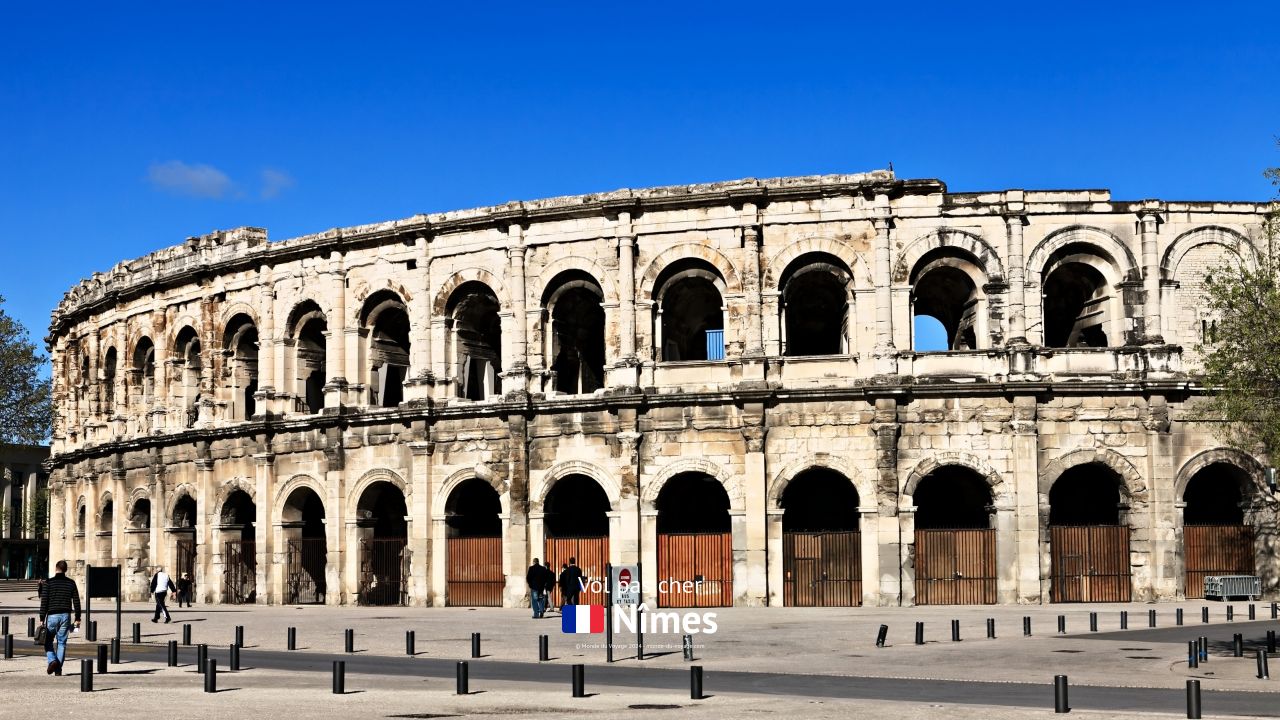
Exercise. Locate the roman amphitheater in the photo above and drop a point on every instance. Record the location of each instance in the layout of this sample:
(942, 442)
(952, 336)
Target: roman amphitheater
(727, 383)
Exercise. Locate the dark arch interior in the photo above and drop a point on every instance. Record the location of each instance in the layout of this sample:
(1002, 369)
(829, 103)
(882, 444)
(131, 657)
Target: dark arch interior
(816, 303)
(140, 518)
(691, 503)
(311, 361)
(473, 309)
(242, 343)
(472, 510)
(109, 380)
(953, 497)
(80, 519)
(1075, 306)
(692, 318)
(948, 295)
(576, 506)
(306, 507)
(107, 516)
(577, 324)
(1086, 494)
(382, 506)
(388, 349)
(1213, 496)
(184, 512)
(239, 509)
(819, 500)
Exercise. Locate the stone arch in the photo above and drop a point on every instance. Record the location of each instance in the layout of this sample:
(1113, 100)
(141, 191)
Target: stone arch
(572, 262)
(106, 497)
(731, 483)
(1001, 491)
(717, 259)
(465, 275)
(371, 477)
(1206, 235)
(227, 488)
(1230, 456)
(301, 309)
(231, 310)
(561, 470)
(171, 503)
(974, 245)
(297, 481)
(458, 477)
(141, 492)
(815, 244)
(1108, 245)
(818, 461)
(1133, 487)
(363, 291)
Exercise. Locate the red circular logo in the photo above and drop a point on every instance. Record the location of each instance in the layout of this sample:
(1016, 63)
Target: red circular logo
(624, 576)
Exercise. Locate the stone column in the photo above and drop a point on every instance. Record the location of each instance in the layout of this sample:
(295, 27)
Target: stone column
(751, 286)
(628, 539)
(774, 552)
(270, 357)
(907, 554)
(627, 292)
(1006, 526)
(1163, 521)
(1149, 224)
(206, 577)
(1025, 478)
(1014, 223)
(891, 537)
(756, 480)
(159, 537)
(516, 533)
(517, 366)
(886, 361)
(91, 508)
(269, 579)
(420, 379)
(869, 529)
(420, 541)
(337, 344)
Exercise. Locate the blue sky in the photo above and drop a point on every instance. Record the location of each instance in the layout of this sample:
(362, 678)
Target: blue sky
(125, 128)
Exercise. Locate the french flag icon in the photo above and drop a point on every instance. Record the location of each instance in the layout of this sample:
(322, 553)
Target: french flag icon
(582, 619)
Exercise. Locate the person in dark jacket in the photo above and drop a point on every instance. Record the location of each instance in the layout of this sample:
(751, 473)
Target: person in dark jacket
(549, 585)
(537, 581)
(571, 580)
(61, 598)
(185, 587)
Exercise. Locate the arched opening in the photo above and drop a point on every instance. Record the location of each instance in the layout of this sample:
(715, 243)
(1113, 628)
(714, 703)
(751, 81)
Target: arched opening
(690, 306)
(188, 368)
(140, 517)
(302, 522)
(955, 543)
(945, 288)
(239, 548)
(695, 543)
(817, 306)
(109, 363)
(1215, 537)
(106, 527)
(382, 528)
(821, 545)
(476, 331)
(137, 536)
(309, 331)
(576, 519)
(474, 575)
(1077, 300)
(1088, 544)
(574, 326)
(240, 345)
(183, 531)
(385, 321)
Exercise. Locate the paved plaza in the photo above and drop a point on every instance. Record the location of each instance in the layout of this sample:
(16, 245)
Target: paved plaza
(797, 662)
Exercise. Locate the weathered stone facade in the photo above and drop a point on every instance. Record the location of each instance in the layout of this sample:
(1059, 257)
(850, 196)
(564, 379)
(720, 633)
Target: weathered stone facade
(220, 389)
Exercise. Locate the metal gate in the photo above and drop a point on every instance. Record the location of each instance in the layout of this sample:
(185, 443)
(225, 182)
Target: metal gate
(384, 571)
(956, 567)
(822, 569)
(706, 559)
(591, 552)
(239, 571)
(474, 576)
(185, 557)
(305, 583)
(1216, 550)
(1090, 563)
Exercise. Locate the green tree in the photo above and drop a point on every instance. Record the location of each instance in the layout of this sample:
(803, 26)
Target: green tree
(1242, 352)
(26, 411)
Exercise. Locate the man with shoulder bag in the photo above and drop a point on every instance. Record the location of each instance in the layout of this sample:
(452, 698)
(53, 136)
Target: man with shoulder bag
(61, 598)
(161, 586)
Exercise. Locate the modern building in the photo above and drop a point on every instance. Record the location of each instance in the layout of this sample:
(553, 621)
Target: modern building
(727, 383)
(24, 512)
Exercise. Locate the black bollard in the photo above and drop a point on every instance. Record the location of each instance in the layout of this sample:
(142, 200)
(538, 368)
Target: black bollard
(91, 632)
(1193, 698)
(137, 633)
(8, 646)
(233, 662)
(544, 648)
(1026, 625)
(31, 627)
(955, 631)
(339, 677)
(1193, 655)
(1237, 645)
(291, 639)
(991, 628)
(202, 655)
(475, 645)
(102, 659)
(186, 634)
(1062, 624)
(1204, 649)
(919, 633)
(1263, 674)
(881, 635)
(86, 675)
(1060, 704)
(1275, 610)
(1204, 614)
(695, 682)
(211, 675)
(1124, 619)
(4, 625)
(579, 681)
(240, 636)
(1093, 622)
(1178, 616)
(1271, 641)
(686, 644)
(1151, 618)
(1231, 613)
(350, 640)
(462, 679)
(115, 651)
(1253, 612)
(409, 648)
(173, 653)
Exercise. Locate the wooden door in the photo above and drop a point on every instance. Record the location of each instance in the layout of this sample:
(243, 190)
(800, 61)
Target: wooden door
(1090, 563)
(822, 569)
(474, 576)
(956, 567)
(703, 559)
(592, 554)
(1216, 550)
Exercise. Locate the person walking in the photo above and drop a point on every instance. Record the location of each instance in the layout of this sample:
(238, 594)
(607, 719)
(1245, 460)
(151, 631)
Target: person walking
(548, 586)
(61, 598)
(161, 585)
(185, 587)
(571, 579)
(537, 588)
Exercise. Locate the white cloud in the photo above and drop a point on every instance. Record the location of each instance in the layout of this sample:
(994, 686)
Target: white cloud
(196, 180)
(274, 182)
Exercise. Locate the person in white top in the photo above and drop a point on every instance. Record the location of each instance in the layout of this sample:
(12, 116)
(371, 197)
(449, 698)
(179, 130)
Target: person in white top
(161, 585)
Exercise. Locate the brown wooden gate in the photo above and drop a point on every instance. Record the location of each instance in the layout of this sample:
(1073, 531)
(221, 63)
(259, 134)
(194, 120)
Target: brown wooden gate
(591, 552)
(1216, 550)
(239, 571)
(474, 576)
(822, 569)
(305, 582)
(1090, 563)
(956, 567)
(384, 571)
(706, 559)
